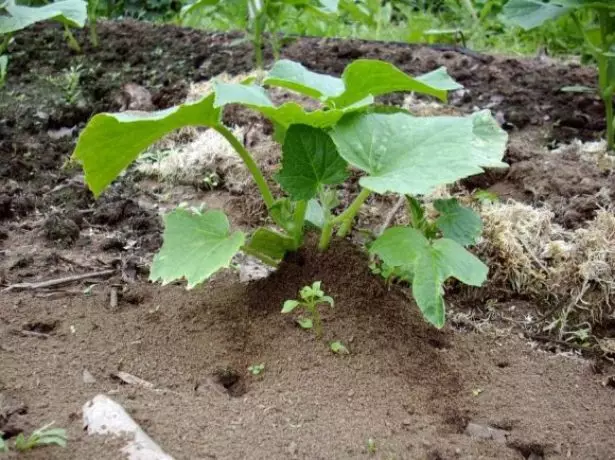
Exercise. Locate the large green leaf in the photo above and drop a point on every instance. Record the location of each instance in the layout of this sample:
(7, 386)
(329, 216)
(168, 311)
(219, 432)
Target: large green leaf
(110, 142)
(363, 78)
(70, 12)
(529, 14)
(269, 243)
(292, 75)
(488, 140)
(431, 263)
(309, 160)
(409, 155)
(457, 222)
(282, 116)
(196, 245)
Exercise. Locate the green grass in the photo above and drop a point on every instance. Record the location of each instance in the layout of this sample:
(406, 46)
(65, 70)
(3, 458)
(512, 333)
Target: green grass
(485, 33)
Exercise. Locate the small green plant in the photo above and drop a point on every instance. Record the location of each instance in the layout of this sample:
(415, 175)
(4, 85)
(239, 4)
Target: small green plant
(338, 348)
(371, 446)
(42, 437)
(397, 153)
(69, 13)
(311, 297)
(3, 445)
(69, 83)
(256, 369)
(15, 17)
(598, 34)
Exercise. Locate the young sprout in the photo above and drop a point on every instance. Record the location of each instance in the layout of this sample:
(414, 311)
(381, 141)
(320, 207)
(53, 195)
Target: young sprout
(256, 369)
(338, 348)
(41, 437)
(311, 297)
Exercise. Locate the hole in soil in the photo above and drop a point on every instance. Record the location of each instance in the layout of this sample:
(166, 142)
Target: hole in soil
(42, 327)
(231, 381)
(530, 450)
(503, 364)
(437, 342)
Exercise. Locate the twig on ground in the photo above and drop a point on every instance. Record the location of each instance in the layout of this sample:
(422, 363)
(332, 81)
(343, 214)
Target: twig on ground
(113, 298)
(58, 281)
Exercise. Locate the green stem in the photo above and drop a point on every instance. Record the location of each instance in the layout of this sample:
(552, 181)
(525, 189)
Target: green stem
(606, 91)
(347, 217)
(72, 42)
(261, 183)
(93, 34)
(5, 43)
(325, 235)
(316, 320)
(299, 221)
(610, 125)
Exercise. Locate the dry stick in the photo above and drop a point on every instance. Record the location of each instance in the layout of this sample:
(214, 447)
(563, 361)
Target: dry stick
(113, 298)
(58, 281)
(391, 214)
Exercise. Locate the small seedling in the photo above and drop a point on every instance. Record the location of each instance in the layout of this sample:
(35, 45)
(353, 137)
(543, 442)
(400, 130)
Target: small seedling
(339, 348)
(256, 369)
(3, 446)
(311, 297)
(371, 446)
(69, 84)
(42, 437)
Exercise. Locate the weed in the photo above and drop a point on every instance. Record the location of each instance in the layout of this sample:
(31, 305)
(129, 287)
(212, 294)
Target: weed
(69, 83)
(44, 436)
(339, 348)
(311, 297)
(256, 369)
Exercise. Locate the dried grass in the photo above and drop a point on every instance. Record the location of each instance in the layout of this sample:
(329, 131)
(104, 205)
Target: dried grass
(533, 256)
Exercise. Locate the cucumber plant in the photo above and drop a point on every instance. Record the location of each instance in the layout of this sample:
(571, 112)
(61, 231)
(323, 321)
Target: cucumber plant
(599, 37)
(15, 17)
(397, 153)
(263, 17)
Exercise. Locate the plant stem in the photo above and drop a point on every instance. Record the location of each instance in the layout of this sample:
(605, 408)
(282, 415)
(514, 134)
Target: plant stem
(325, 235)
(5, 43)
(610, 121)
(261, 183)
(348, 216)
(72, 42)
(345, 219)
(299, 220)
(93, 34)
(606, 90)
(316, 320)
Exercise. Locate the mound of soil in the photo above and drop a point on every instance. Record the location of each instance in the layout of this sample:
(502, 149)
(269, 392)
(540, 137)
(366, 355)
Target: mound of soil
(417, 392)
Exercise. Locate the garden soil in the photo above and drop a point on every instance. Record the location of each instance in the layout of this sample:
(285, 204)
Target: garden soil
(475, 390)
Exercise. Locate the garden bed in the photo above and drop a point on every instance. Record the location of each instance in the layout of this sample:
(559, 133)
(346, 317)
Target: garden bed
(480, 388)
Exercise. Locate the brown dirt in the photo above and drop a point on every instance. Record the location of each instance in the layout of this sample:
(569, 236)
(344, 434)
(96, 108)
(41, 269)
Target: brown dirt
(412, 389)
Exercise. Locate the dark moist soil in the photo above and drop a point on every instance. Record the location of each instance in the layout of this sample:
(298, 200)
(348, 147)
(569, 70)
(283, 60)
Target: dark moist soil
(415, 391)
